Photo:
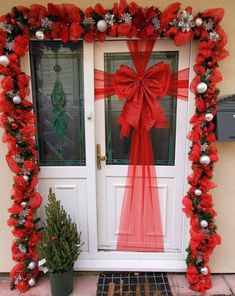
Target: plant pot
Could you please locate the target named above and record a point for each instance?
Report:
(61, 283)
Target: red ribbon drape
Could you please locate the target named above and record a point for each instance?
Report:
(140, 222)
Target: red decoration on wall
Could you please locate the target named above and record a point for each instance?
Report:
(69, 22)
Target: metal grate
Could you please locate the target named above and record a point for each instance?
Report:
(133, 284)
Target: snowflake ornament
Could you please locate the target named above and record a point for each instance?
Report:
(22, 249)
(109, 18)
(9, 45)
(214, 36)
(204, 147)
(126, 18)
(18, 159)
(208, 24)
(185, 21)
(6, 27)
(156, 23)
(88, 21)
(46, 23)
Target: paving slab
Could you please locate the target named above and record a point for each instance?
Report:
(5, 288)
(230, 280)
(85, 286)
(180, 287)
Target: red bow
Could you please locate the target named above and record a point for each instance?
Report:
(142, 90)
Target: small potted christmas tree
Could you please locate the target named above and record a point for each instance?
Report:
(60, 247)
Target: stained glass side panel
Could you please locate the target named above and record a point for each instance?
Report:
(57, 79)
(163, 140)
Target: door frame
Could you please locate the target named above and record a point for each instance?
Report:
(93, 259)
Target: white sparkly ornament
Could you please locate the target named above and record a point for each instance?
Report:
(26, 178)
(39, 35)
(198, 22)
(197, 192)
(203, 223)
(102, 26)
(32, 265)
(16, 100)
(23, 204)
(204, 270)
(204, 159)
(4, 60)
(32, 282)
(201, 87)
(209, 116)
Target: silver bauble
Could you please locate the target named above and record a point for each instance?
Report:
(197, 192)
(32, 282)
(204, 159)
(40, 35)
(4, 60)
(201, 87)
(204, 223)
(26, 178)
(102, 26)
(32, 265)
(204, 270)
(209, 116)
(198, 22)
(23, 204)
(16, 100)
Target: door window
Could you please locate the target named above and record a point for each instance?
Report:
(117, 148)
(57, 79)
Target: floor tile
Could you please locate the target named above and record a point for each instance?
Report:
(180, 287)
(42, 288)
(230, 280)
(5, 289)
(85, 286)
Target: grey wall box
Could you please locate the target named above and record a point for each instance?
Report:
(225, 128)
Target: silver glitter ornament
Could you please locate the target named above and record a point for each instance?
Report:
(40, 35)
(16, 100)
(201, 87)
(102, 26)
(32, 282)
(185, 21)
(126, 18)
(214, 36)
(32, 265)
(204, 159)
(4, 60)
(197, 192)
(109, 18)
(204, 271)
(198, 22)
(209, 116)
(204, 224)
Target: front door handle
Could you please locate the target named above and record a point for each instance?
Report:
(100, 157)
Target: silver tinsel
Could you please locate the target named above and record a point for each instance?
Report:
(22, 216)
(9, 45)
(88, 21)
(204, 147)
(18, 279)
(46, 23)
(22, 249)
(18, 159)
(109, 18)
(156, 23)
(5, 27)
(126, 18)
(199, 258)
(214, 36)
(24, 171)
(185, 21)
(208, 24)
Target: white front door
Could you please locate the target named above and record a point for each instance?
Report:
(93, 197)
(169, 149)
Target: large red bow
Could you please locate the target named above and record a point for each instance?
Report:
(142, 90)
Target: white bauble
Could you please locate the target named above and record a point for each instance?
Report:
(102, 26)
(23, 204)
(197, 192)
(198, 22)
(40, 35)
(204, 159)
(4, 60)
(204, 270)
(201, 87)
(16, 100)
(204, 223)
(209, 116)
(26, 178)
(32, 265)
(32, 282)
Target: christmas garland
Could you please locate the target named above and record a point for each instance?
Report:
(69, 22)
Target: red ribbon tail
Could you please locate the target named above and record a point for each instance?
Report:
(140, 222)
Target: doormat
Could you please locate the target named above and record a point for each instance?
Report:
(133, 284)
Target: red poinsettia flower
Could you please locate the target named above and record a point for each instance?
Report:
(36, 14)
(169, 14)
(2, 40)
(21, 45)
